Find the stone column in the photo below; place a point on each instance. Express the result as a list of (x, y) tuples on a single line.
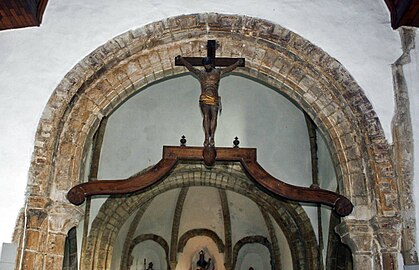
[(388, 232), (45, 233), (375, 244), (358, 235), (30, 235), (173, 265)]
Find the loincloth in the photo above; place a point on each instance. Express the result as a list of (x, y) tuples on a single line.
[(210, 101)]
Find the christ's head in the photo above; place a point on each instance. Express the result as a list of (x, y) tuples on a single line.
[(208, 65)]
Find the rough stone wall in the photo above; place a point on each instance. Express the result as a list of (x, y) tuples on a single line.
[(315, 81)]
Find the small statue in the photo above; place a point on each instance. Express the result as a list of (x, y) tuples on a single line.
[(209, 100), (202, 264)]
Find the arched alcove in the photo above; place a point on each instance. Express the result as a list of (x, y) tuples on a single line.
[(319, 84), (107, 227)]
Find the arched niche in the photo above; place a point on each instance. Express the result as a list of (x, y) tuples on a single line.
[(107, 225)]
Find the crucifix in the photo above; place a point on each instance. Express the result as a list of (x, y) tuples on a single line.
[(209, 101)]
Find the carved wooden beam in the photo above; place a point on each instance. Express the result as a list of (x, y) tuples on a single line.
[(22, 13), (246, 156), (403, 12)]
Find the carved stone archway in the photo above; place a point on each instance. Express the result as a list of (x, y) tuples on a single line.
[(291, 217), (200, 232), (257, 239), (319, 84), (144, 237)]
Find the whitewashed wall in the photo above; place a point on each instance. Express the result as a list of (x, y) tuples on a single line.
[(34, 60)]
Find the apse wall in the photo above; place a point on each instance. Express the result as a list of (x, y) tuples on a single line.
[(262, 118), (162, 113), (202, 209)]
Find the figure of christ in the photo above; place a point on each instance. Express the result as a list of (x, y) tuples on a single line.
[(209, 101)]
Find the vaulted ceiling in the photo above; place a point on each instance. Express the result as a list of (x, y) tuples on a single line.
[(26, 13)]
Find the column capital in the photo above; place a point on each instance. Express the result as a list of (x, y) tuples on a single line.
[(388, 231), (357, 234), (63, 216)]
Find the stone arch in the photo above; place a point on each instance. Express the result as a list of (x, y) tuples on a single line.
[(291, 217), (254, 239), (145, 237), (183, 240), (318, 83)]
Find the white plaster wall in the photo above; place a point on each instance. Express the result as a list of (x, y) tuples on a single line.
[(327, 175), (119, 243), (34, 60), (246, 218), (158, 217), (284, 249), (253, 255), (162, 113), (152, 252), (327, 180), (157, 116), (202, 209)]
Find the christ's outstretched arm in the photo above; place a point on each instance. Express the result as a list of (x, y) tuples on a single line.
[(188, 65), (231, 67)]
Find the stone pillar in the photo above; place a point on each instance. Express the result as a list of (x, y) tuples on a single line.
[(375, 244), (228, 266), (388, 232), (30, 233), (173, 265), (358, 235), (45, 233)]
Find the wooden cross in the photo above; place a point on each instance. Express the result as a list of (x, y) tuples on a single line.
[(246, 156), (217, 61)]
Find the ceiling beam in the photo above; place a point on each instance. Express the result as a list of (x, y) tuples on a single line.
[(403, 12), (21, 13)]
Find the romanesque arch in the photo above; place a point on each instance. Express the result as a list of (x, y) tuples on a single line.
[(257, 239), (319, 84), (146, 237), (200, 232), (117, 209)]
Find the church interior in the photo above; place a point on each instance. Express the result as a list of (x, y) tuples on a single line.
[(332, 125)]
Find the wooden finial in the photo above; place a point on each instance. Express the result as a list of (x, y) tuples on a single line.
[(236, 142), (183, 141)]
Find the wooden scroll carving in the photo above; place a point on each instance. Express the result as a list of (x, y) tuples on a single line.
[(246, 156)]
